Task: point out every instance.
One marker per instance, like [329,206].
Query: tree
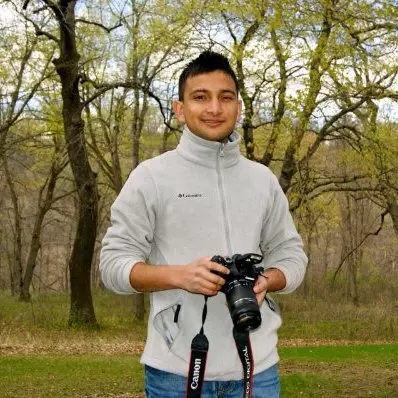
[21,82]
[68,69]
[158,44]
[312,75]
[287,57]
[46,199]
[150,49]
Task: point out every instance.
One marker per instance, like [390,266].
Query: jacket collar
[204,152]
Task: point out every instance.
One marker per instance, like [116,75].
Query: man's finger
[219,268]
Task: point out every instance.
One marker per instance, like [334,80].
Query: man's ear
[239,109]
[178,108]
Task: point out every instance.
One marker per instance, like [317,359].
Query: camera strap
[197,364]
[242,341]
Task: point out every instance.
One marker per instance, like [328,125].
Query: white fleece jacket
[201,199]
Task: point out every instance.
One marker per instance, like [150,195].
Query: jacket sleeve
[129,237]
[281,244]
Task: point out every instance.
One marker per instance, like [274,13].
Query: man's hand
[271,280]
[197,277]
[260,288]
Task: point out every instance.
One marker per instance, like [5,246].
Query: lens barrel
[242,305]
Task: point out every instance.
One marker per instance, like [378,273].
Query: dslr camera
[238,289]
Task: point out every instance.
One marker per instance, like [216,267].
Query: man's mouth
[211,122]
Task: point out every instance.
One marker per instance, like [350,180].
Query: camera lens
[248,321]
[243,305]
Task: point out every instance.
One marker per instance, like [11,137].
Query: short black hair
[208,61]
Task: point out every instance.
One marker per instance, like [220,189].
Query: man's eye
[228,98]
[199,97]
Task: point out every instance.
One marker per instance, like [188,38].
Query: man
[178,210]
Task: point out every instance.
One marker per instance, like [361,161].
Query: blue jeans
[160,384]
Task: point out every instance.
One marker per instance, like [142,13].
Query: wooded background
[86,92]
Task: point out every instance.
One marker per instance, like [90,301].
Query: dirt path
[119,346]
[71,347]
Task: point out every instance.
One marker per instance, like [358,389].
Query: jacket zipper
[221,187]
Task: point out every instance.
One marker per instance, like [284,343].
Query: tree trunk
[351,229]
[353,279]
[138,299]
[139,306]
[42,209]
[326,252]
[165,136]
[31,262]
[309,271]
[81,309]
[289,166]
[16,268]
[279,109]
[393,210]
[247,125]
[137,126]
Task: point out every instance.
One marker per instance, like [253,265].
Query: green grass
[328,349]
[340,371]
[378,355]
[47,315]
[302,319]
[334,319]
[70,376]
[331,371]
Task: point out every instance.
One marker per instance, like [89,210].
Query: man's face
[210,107]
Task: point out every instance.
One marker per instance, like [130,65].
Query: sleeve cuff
[123,282]
[292,282]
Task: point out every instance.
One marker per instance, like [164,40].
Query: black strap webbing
[197,364]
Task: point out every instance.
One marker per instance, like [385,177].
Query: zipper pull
[222,150]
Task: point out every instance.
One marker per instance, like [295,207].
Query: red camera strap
[242,341]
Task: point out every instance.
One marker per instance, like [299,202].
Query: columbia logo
[189,195]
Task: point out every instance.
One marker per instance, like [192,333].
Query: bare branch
[60,197]
[25,4]
[382,216]
[337,184]
[103,88]
[230,30]
[322,182]
[55,9]
[373,27]
[40,32]
[14,118]
[157,99]
[108,30]
[38,10]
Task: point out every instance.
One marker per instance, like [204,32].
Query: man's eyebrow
[229,91]
[199,90]
[203,90]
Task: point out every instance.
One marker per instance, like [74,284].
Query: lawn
[351,352]
[340,371]
[328,371]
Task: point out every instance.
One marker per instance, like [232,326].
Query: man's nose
[214,106]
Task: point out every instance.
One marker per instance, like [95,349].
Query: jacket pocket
[168,323]
[272,304]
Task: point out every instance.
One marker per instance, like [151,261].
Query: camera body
[238,289]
